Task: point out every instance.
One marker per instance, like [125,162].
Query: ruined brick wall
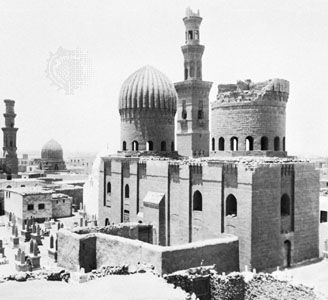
[256,110]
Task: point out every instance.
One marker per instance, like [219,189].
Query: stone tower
[193,104]
[9,139]
[250,118]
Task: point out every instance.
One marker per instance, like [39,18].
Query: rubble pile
[232,286]
[239,286]
[265,286]
[247,91]
[108,270]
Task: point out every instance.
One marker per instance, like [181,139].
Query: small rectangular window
[30,206]
[323,216]
[41,206]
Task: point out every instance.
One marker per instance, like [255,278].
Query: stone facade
[61,205]
[257,186]
[37,203]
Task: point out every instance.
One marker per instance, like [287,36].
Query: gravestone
[36,234]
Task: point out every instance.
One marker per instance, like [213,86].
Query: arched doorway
[287,253]
[106,222]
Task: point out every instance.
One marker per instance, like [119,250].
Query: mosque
[52,157]
[195,181]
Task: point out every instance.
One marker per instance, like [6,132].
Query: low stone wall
[95,250]
[222,252]
[69,249]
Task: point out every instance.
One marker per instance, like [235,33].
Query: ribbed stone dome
[147,88]
[52,150]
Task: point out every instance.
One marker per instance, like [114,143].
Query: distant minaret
[9,139]
[193,105]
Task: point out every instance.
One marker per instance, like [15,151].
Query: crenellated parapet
[248,91]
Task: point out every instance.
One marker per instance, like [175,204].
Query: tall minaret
[9,139]
[193,105]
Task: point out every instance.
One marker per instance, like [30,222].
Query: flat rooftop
[250,161]
[30,190]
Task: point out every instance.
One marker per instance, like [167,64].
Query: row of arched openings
[126,190]
[231,203]
[249,144]
[149,146]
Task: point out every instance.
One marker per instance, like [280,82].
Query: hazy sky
[244,39]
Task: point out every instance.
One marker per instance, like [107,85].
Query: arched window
[264,143]
[213,144]
[124,146]
[285,205]
[149,146]
[109,188]
[135,146]
[283,144]
[8,186]
[172,146]
[249,143]
[163,146]
[234,144]
[276,143]
[221,144]
[231,205]
[197,201]
[127,191]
